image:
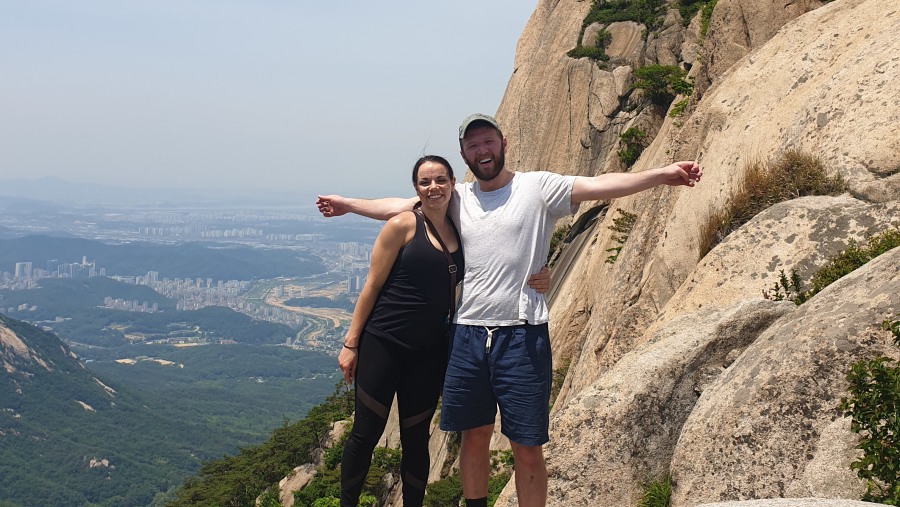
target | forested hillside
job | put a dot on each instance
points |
(124, 434)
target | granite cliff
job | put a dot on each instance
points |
(677, 365)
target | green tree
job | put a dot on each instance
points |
(239, 480)
(444, 493)
(387, 459)
(662, 83)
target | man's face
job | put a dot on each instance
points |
(484, 151)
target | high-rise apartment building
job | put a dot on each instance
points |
(23, 270)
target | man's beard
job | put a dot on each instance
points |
(488, 174)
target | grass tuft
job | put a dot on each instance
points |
(794, 174)
(656, 493)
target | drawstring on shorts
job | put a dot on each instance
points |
(490, 335)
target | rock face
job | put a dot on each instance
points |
(623, 427)
(793, 502)
(666, 376)
(14, 352)
(759, 428)
(589, 101)
(296, 480)
(732, 126)
(738, 26)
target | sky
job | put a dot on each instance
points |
(267, 96)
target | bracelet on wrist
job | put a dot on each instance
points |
(351, 348)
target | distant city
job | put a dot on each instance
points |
(191, 294)
(343, 246)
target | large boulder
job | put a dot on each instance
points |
(770, 426)
(798, 235)
(623, 429)
(626, 42)
(295, 481)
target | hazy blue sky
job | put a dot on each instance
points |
(270, 95)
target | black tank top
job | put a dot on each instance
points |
(412, 308)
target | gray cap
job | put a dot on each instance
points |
(477, 117)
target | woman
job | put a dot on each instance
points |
(397, 341)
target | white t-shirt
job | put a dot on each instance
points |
(506, 236)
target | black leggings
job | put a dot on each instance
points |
(416, 376)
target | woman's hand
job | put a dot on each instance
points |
(347, 363)
(540, 281)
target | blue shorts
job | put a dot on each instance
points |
(515, 374)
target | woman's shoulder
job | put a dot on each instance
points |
(403, 223)
(404, 219)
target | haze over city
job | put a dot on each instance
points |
(279, 98)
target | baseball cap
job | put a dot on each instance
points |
(477, 117)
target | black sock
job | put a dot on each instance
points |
(477, 502)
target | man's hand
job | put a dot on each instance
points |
(682, 173)
(615, 185)
(379, 209)
(540, 282)
(332, 205)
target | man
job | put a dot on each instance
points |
(500, 348)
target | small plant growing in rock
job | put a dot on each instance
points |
(678, 108)
(850, 259)
(332, 456)
(656, 493)
(633, 140)
(787, 289)
(705, 15)
(592, 52)
(874, 408)
(645, 12)
(387, 459)
(623, 225)
(853, 257)
(894, 328)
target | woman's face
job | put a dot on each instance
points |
(433, 186)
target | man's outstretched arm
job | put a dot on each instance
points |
(379, 209)
(613, 185)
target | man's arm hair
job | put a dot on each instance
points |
(379, 209)
(613, 185)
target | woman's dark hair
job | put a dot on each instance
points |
(437, 159)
